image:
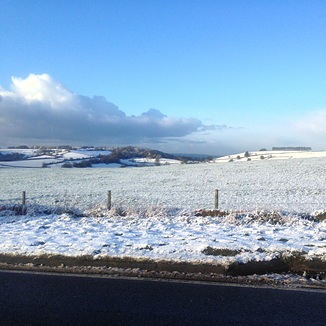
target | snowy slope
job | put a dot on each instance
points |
(271, 155)
(55, 160)
(81, 154)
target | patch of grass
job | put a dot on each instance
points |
(118, 211)
(320, 217)
(147, 247)
(36, 210)
(266, 217)
(210, 212)
(293, 257)
(210, 251)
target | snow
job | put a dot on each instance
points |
(81, 154)
(164, 161)
(34, 162)
(271, 155)
(55, 161)
(158, 207)
(109, 165)
(27, 152)
(178, 238)
(144, 161)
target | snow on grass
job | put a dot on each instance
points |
(107, 165)
(56, 160)
(144, 161)
(269, 207)
(271, 155)
(178, 238)
(35, 162)
(164, 161)
(81, 154)
(27, 152)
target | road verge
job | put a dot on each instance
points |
(307, 273)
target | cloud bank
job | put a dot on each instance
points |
(313, 124)
(39, 109)
(312, 128)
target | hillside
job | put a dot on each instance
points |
(128, 156)
(269, 155)
(68, 157)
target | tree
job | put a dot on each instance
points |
(157, 159)
(66, 165)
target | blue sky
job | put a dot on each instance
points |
(213, 77)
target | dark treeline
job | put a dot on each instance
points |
(299, 148)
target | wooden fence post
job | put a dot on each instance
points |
(216, 199)
(24, 198)
(23, 207)
(109, 200)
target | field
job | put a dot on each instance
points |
(268, 210)
(283, 185)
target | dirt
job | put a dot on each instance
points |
(273, 273)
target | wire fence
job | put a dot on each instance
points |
(299, 200)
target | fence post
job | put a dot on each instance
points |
(216, 199)
(23, 207)
(24, 198)
(109, 200)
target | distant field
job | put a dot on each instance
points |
(297, 184)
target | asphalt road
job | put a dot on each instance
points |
(38, 299)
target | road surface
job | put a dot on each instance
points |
(40, 299)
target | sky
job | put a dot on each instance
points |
(204, 77)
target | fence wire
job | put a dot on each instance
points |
(300, 200)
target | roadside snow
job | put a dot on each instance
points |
(178, 238)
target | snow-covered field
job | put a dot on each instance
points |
(37, 161)
(160, 203)
(271, 155)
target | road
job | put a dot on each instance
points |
(48, 299)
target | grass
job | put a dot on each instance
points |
(210, 251)
(150, 211)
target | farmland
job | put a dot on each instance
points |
(269, 210)
(290, 185)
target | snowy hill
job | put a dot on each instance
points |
(36, 158)
(69, 158)
(128, 156)
(270, 155)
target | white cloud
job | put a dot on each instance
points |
(39, 109)
(41, 88)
